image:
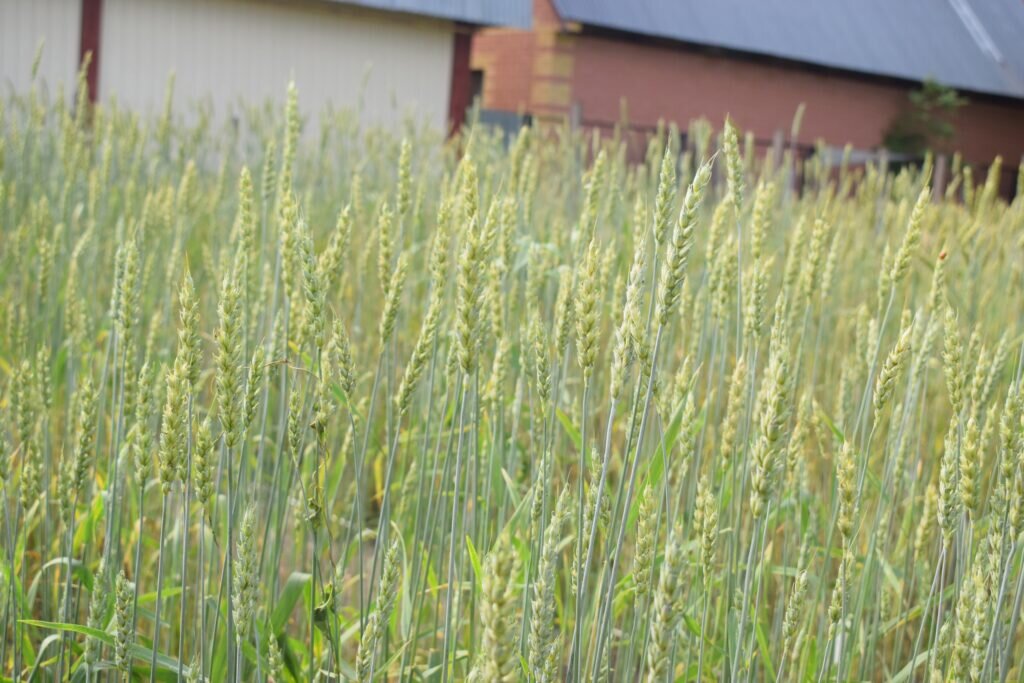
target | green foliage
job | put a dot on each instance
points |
(928, 123)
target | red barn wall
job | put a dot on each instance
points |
(681, 84)
(554, 70)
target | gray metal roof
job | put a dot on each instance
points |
(515, 13)
(973, 45)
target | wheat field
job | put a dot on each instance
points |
(284, 404)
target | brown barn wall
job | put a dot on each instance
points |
(550, 69)
(459, 95)
(681, 84)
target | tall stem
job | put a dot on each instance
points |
(159, 589)
(453, 537)
(582, 503)
(186, 521)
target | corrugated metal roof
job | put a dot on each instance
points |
(974, 45)
(484, 12)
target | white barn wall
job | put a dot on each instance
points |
(231, 51)
(23, 24)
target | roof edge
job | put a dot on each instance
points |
(505, 13)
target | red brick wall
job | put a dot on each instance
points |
(679, 84)
(529, 71)
(506, 58)
(553, 67)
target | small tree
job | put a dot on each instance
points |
(928, 123)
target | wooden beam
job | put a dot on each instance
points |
(89, 44)
(461, 85)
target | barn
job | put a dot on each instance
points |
(852, 64)
(387, 58)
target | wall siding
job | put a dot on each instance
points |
(561, 71)
(229, 52)
(681, 85)
(23, 24)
